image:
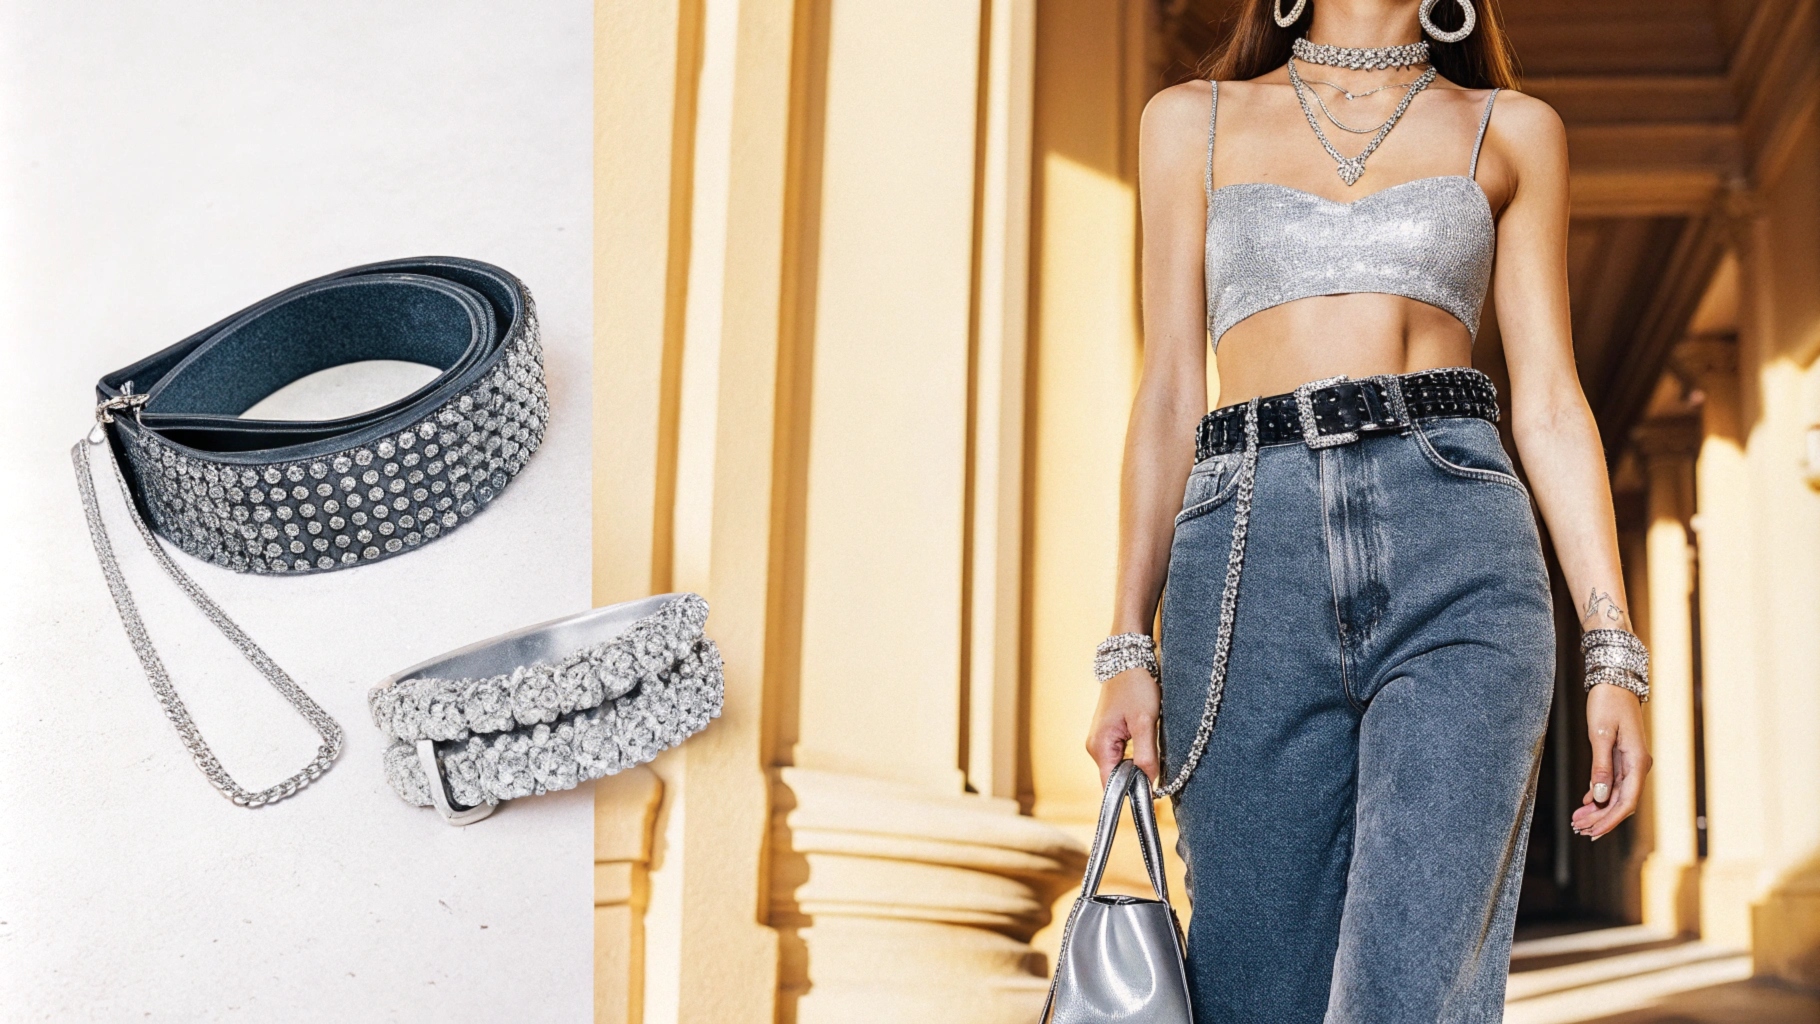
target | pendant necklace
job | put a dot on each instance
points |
(1351, 168)
(1341, 125)
(1349, 94)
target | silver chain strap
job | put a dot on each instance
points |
(1229, 605)
(174, 709)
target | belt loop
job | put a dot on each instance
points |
(1393, 395)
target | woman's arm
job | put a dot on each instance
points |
(1171, 399)
(1556, 434)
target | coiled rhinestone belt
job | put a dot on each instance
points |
(271, 496)
(294, 497)
(548, 707)
(1338, 410)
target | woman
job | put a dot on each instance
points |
(1354, 582)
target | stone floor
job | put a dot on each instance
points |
(1633, 975)
(1752, 1001)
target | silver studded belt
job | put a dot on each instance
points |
(548, 707)
(272, 496)
(1338, 410)
(292, 497)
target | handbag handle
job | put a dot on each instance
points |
(1127, 783)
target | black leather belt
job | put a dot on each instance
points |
(295, 497)
(1340, 410)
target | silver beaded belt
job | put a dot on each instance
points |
(292, 497)
(550, 706)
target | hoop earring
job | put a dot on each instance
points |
(1428, 26)
(1295, 13)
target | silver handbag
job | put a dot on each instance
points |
(1123, 958)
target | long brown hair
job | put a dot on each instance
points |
(1253, 45)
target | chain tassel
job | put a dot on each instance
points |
(155, 673)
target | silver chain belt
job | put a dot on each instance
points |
(155, 673)
(1229, 603)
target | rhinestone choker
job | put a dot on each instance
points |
(1359, 58)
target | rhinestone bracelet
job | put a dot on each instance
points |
(1615, 648)
(1122, 652)
(1619, 657)
(1620, 678)
(1616, 657)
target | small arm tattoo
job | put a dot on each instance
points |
(1603, 610)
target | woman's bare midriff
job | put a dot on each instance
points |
(1360, 335)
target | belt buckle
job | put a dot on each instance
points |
(452, 812)
(125, 401)
(1304, 404)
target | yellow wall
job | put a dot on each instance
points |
(813, 228)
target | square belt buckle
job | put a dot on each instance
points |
(1304, 404)
(452, 812)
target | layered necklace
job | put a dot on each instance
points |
(1351, 169)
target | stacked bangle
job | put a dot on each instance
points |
(1616, 657)
(1122, 652)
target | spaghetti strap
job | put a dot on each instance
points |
(1473, 171)
(1213, 107)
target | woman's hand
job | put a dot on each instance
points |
(1130, 703)
(1614, 722)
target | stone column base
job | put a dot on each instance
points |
(1727, 890)
(1671, 894)
(1785, 930)
(897, 904)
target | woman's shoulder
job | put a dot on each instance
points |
(1173, 129)
(1186, 101)
(1526, 118)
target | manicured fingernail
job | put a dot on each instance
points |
(1600, 790)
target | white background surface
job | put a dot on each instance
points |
(163, 165)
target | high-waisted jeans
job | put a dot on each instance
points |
(1355, 831)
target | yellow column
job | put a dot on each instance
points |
(887, 464)
(643, 68)
(1085, 358)
(995, 668)
(1784, 912)
(1783, 325)
(1670, 875)
(1731, 674)
(902, 897)
(710, 264)
(1093, 78)
(625, 808)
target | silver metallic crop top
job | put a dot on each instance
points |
(1429, 239)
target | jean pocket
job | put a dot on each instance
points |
(1211, 483)
(1469, 448)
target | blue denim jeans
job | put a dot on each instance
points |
(1355, 831)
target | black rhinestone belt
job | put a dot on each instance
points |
(271, 496)
(1340, 410)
